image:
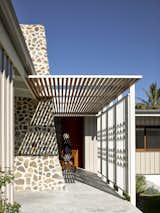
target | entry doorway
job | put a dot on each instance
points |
(74, 126)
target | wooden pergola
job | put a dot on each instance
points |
(82, 94)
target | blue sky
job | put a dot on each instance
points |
(99, 36)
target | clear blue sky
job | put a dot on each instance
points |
(99, 36)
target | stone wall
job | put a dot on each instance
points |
(36, 42)
(37, 165)
(37, 173)
(34, 127)
(24, 112)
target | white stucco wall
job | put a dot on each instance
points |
(90, 144)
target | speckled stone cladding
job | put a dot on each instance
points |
(37, 165)
(38, 173)
(24, 112)
(36, 42)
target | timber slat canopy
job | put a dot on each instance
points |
(79, 94)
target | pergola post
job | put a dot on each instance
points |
(131, 145)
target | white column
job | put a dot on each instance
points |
(99, 144)
(10, 127)
(2, 116)
(103, 129)
(7, 123)
(2, 138)
(131, 146)
(11, 133)
(1, 129)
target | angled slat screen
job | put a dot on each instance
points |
(79, 94)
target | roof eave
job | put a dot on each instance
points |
(147, 112)
(87, 76)
(11, 24)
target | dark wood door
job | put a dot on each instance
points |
(74, 127)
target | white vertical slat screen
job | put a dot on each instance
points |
(112, 142)
(2, 88)
(121, 148)
(104, 126)
(6, 120)
(99, 144)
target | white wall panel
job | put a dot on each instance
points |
(121, 144)
(112, 135)
(104, 126)
(99, 144)
(148, 163)
(111, 143)
(131, 167)
(90, 144)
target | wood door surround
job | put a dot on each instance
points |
(75, 157)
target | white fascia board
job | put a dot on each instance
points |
(87, 76)
(147, 115)
(74, 115)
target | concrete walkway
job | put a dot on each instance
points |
(78, 197)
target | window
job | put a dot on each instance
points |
(140, 138)
(153, 138)
(148, 138)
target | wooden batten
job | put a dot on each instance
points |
(79, 94)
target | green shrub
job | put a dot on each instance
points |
(13, 208)
(141, 185)
(126, 196)
(151, 190)
(5, 179)
(2, 206)
(5, 207)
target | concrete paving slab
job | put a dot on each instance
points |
(78, 197)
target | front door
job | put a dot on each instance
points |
(74, 127)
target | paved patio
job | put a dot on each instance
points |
(78, 197)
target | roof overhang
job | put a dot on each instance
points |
(11, 24)
(82, 94)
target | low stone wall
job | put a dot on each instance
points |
(37, 173)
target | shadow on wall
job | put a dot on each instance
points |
(35, 130)
(91, 127)
(58, 132)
